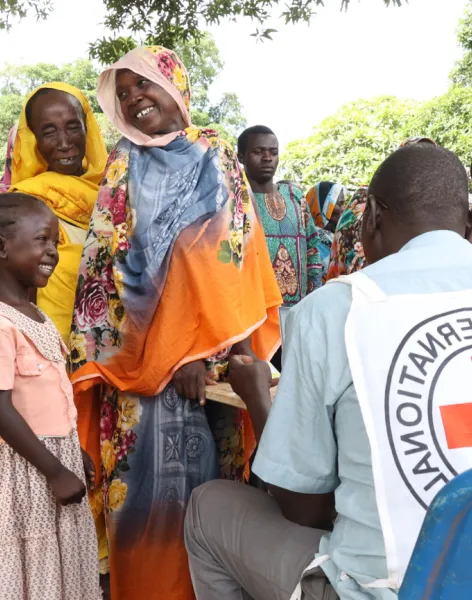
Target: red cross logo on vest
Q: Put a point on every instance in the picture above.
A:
(457, 421)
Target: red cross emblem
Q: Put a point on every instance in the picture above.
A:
(457, 421)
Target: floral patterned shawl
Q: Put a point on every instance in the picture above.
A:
(347, 254)
(173, 230)
(322, 199)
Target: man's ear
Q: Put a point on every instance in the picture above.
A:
(3, 247)
(468, 229)
(371, 216)
(241, 157)
(379, 211)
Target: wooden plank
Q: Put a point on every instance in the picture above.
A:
(222, 392)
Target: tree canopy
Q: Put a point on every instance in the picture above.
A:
(448, 121)
(11, 10)
(20, 80)
(168, 22)
(17, 81)
(203, 62)
(348, 146)
(462, 73)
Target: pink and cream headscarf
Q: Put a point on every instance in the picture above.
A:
(160, 66)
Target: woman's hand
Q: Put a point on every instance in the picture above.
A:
(191, 379)
(67, 487)
(89, 469)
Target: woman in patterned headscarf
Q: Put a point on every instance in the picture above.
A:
(326, 201)
(347, 254)
(175, 276)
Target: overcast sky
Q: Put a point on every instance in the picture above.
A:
(307, 72)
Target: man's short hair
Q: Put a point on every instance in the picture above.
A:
(243, 139)
(423, 182)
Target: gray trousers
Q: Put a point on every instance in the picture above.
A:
(242, 548)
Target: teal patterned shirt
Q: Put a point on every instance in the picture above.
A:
(293, 242)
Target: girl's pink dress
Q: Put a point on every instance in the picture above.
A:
(47, 551)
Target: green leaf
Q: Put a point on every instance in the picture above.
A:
(167, 22)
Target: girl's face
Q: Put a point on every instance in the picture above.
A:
(146, 105)
(30, 253)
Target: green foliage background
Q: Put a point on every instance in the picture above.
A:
(349, 145)
(346, 146)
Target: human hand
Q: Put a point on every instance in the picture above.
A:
(249, 377)
(67, 487)
(89, 469)
(243, 348)
(191, 379)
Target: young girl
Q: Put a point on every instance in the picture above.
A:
(47, 538)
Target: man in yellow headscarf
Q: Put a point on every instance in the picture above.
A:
(59, 156)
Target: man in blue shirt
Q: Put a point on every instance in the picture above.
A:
(314, 452)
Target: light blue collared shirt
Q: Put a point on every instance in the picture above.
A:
(315, 440)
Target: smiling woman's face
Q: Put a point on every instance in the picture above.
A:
(57, 121)
(146, 105)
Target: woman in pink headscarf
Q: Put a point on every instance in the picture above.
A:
(175, 276)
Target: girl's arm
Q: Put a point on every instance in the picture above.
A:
(17, 433)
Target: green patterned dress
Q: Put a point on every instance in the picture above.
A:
(293, 241)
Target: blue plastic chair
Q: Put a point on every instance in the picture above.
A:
(441, 564)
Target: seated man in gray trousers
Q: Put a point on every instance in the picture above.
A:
(316, 445)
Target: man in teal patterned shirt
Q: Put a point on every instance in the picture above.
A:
(290, 231)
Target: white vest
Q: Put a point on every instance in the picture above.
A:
(411, 362)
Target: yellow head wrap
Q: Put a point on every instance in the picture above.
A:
(71, 198)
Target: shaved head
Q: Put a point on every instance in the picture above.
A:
(423, 182)
(417, 189)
